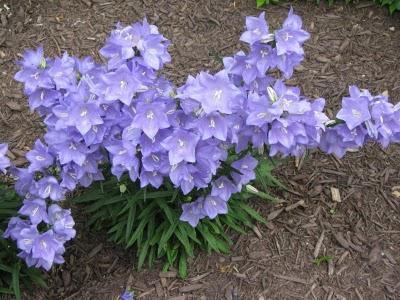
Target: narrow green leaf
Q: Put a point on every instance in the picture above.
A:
(129, 224)
(183, 238)
(15, 281)
(166, 236)
(182, 265)
(143, 253)
(254, 214)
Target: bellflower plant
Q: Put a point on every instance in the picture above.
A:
(204, 139)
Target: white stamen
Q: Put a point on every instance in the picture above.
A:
(84, 112)
(257, 31)
(155, 158)
(122, 152)
(123, 84)
(264, 53)
(35, 210)
(48, 189)
(40, 158)
(150, 115)
(43, 244)
(35, 76)
(212, 123)
(287, 36)
(181, 143)
(262, 115)
(356, 113)
(217, 95)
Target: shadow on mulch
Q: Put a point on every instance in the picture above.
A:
(349, 45)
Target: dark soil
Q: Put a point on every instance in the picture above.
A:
(357, 44)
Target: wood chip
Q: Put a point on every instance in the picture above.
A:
(14, 105)
(331, 267)
(237, 258)
(169, 274)
(178, 298)
(360, 297)
(95, 250)
(293, 279)
(256, 231)
(335, 193)
(274, 214)
(240, 275)
(164, 282)
(199, 277)
(295, 205)
(259, 254)
(190, 288)
(375, 255)
(344, 45)
(319, 244)
(341, 240)
(159, 289)
(342, 257)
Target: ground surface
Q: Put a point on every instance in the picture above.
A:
(350, 45)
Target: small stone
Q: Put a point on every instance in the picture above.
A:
(391, 28)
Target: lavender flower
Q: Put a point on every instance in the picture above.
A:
(291, 37)
(39, 157)
(193, 212)
(257, 30)
(127, 295)
(181, 146)
(214, 206)
(4, 161)
(150, 117)
(354, 111)
(35, 209)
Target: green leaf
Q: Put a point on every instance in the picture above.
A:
(261, 3)
(137, 233)
(183, 238)
(143, 253)
(227, 219)
(208, 237)
(167, 210)
(15, 281)
(183, 265)
(166, 236)
(129, 224)
(255, 215)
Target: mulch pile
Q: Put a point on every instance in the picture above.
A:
(346, 210)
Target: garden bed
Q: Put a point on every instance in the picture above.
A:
(356, 44)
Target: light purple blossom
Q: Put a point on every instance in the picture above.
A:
(257, 29)
(181, 146)
(4, 161)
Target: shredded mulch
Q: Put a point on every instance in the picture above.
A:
(346, 211)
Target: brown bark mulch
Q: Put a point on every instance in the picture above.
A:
(344, 209)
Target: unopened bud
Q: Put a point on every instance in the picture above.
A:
(251, 189)
(272, 94)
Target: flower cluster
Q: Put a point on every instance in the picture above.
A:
(362, 118)
(199, 136)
